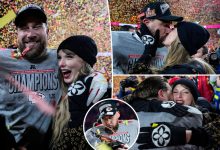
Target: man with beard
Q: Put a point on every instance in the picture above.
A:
(142, 45)
(109, 129)
(29, 82)
(29, 77)
(157, 114)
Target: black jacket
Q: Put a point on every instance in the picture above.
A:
(191, 68)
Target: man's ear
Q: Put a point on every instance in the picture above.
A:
(160, 94)
(118, 114)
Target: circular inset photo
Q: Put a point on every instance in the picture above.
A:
(111, 124)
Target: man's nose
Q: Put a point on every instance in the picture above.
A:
(109, 121)
(172, 26)
(179, 94)
(168, 30)
(31, 33)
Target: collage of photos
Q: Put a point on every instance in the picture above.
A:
(110, 75)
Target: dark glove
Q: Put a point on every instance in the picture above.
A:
(151, 42)
(6, 138)
(31, 139)
(129, 82)
(161, 135)
(117, 145)
(199, 137)
(169, 107)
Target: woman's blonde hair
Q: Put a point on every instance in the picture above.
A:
(208, 68)
(62, 114)
(178, 55)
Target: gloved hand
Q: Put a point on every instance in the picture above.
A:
(199, 137)
(131, 81)
(161, 135)
(151, 42)
(118, 145)
(169, 107)
(6, 138)
(32, 138)
(98, 87)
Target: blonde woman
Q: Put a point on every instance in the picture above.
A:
(185, 93)
(76, 57)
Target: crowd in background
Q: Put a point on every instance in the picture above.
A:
(207, 86)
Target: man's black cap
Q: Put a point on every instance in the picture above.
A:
(32, 10)
(107, 108)
(160, 11)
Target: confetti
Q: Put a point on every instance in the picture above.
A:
(204, 11)
(66, 18)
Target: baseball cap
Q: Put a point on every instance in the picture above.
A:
(107, 108)
(32, 10)
(160, 11)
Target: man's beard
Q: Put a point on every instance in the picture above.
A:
(35, 52)
(111, 130)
